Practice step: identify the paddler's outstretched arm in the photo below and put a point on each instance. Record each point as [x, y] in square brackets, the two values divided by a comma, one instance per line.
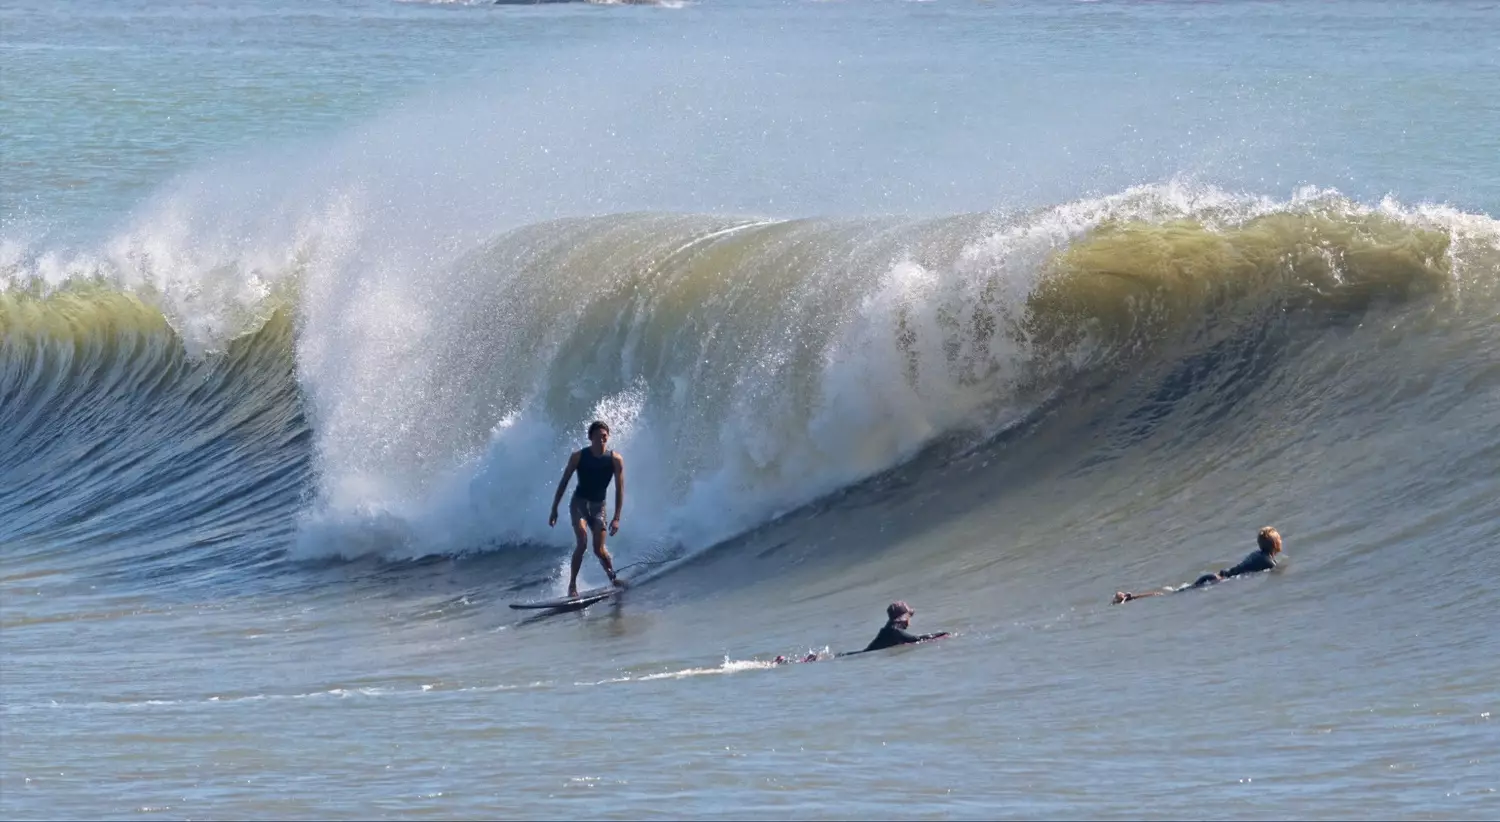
[563, 486]
[614, 524]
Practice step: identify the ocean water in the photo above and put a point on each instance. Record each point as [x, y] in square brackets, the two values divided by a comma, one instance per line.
[996, 308]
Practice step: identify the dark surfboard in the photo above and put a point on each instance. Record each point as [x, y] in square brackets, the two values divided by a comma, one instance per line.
[583, 600]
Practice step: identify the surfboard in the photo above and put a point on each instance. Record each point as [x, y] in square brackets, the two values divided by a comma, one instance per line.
[583, 600]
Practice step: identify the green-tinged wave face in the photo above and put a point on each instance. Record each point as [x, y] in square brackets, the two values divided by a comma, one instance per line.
[77, 314]
[110, 429]
[1133, 283]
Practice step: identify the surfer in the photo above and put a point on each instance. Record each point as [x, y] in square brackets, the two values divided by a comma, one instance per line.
[1265, 557]
[897, 619]
[596, 467]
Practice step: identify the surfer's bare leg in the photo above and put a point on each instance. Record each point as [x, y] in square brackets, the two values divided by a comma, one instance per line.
[604, 558]
[581, 532]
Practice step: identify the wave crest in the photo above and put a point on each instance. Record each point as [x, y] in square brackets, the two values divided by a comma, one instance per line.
[749, 365]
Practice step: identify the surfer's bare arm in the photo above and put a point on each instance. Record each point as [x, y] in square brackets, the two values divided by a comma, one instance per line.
[563, 486]
[614, 524]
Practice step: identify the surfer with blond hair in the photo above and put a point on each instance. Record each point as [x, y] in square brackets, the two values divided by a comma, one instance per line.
[1266, 556]
[595, 467]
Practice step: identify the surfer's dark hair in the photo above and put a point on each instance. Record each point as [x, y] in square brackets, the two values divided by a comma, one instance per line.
[598, 425]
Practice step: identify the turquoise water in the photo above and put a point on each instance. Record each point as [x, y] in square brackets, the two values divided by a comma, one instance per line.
[993, 308]
[883, 106]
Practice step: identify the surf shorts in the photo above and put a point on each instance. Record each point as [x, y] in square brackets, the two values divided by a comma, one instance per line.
[589, 511]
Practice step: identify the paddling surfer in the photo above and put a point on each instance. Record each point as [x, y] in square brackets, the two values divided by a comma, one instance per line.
[1265, 557]
[897, 619]
[596, 467]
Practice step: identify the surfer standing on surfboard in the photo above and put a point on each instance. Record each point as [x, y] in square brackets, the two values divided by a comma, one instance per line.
[595, 467]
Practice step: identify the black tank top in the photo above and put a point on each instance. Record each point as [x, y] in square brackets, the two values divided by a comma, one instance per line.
[594, 474]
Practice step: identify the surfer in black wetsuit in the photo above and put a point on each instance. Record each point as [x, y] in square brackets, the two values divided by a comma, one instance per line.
[595, 467]
[1264, 558]
[898, 619]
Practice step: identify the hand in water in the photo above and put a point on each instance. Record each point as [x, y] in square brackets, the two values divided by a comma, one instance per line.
[614, 526]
